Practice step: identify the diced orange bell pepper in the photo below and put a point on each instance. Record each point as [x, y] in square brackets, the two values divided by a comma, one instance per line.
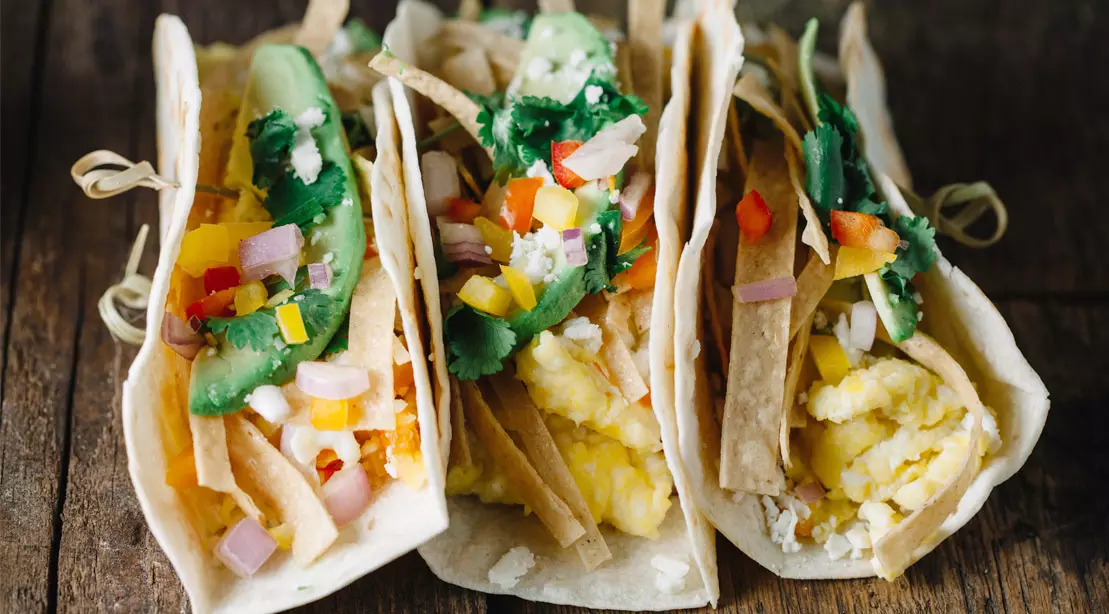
[220, 278]
[181, 472]
[560, 150]
[213, 305]
[329, 415]
[463, 210]
[637, 228]
[519, 202]
[853, 229]
[328, 470]
[753, 216]
[641, 275]
[403, 379]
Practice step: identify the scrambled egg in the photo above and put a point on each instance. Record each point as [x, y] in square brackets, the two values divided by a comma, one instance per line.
[883, 442]
[563, 378]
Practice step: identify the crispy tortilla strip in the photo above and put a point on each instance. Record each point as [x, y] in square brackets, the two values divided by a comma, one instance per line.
[812, 284]
[470, 71]
[751, 91]
[785, 70]
[621, 367]
[617, 315]
[322, 20]
[275, 478]
[894, 550]
[520, 474]
[642, 308]
[460, 443]
[760, 339]
[518, 414]
[213, 465]
[556, 6]
[440, 92]
[624, 66]
[504, 51]
[797, 359]
[645, 39]
[469, 10]
[371, 344]
[735, 137]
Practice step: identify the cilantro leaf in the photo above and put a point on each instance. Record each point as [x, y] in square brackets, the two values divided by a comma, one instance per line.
[825, 181]
[627, 259]
[477, 342]
[358, 134]
[254, 329]
[869, 207]
[596, 267]
[315, 310]
[290, 201]
[917, 252]
[271, 140]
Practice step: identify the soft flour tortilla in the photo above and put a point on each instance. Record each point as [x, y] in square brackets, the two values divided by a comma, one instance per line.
[958, 315]
[479, 534]
[398, 518]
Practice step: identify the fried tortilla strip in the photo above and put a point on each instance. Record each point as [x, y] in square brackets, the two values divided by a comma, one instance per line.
[518, 414]
[460, 443]
[812, 284]
[213, 465]
[469, 71]
[894, 550]
[645, 39]
[760, 339]
[621, 367]
[275, 478]
[518, 471]
[440, 92]
[556, 6]
[642, 307]
[751, 91]
[797, 357]
[735, 137]
[370, 344]
[322, 20]
[504, 51]
[469, 10]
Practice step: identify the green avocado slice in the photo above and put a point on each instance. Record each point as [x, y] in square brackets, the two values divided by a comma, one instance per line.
[898, 315]
[286, 77]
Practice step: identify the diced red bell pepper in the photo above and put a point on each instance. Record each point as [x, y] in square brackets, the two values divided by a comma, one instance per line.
[560, 150]
[753, 216]
[220, 278]
[519, 202]
[370, 251]
[853, 229]
[214, 305]
[329, 470]
[463, 210]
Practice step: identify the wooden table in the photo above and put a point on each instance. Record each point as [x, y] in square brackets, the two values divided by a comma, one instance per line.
[1013, 92]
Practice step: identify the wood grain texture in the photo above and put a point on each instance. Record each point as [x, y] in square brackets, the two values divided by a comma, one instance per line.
[1006, 91]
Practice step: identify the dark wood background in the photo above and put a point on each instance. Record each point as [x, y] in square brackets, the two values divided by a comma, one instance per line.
[1013, 92]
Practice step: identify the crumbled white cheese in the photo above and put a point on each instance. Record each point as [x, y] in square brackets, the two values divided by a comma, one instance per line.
[671, 573]
[305, 157]
[268, 401]
[989, 427]
[593, 93]
[538, 68]
[327, 258]
[782, 525]
[305, 443]
[539, 169]
[514, 565]
[577, 56]
[400, 353]
[859, 538]
[535, 253]
[843, 335]
[347, 202]
[312, 117]
[488, 250]
[583, 333]
[614, 197]
[595, 228]
[837, 546]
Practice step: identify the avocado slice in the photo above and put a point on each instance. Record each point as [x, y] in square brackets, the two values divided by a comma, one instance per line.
[558, 300]
[898, 315]
[562, 51]
[286, 77]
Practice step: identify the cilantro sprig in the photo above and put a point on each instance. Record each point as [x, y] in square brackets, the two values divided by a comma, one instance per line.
[256, 329]
[477, 342]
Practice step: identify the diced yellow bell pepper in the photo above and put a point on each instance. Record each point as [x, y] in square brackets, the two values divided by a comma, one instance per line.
[830, 358]
[229, 511]
[181, 472]
[520, 287]
[498, 238]
[206, 246]
[555, 206]
[291, 324]
[283, 534]
[237, 231]
[481, 293]
[250, 297]
[854, 261]
[328, 415]
[240, 165]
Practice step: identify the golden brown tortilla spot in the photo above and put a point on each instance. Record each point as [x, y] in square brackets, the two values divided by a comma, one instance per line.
[370, 344]
[503, 51]
[213, 465]
[460, 455]
[797, 357]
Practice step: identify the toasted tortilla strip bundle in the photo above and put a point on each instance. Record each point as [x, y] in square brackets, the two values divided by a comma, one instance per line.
[522, 432]
[244, 465]
[846, 406]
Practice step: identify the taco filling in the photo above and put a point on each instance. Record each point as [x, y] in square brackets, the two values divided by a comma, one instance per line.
[295, 386]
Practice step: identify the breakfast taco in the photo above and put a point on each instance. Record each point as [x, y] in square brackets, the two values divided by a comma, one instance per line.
[279, 418]
[846, 398]
[546, 201]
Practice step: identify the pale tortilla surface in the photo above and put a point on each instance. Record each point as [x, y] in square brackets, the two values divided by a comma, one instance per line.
[398, 518]
[957, 314]
[479, 535]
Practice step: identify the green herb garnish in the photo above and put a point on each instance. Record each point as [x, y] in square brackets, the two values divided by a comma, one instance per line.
[477, 342]
[256, 329]
[271, 141]
[290, 201]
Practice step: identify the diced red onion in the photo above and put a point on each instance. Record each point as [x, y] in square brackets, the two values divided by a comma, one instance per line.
[245, 547]
[319, 275]
[180, 337]
[809, 492]
[462, 243]
[573, 246]
[467, 254]
[347, 493]
[328, 380]
[608, 151]
[864, 325]
[270, 403]
[440, 175]
[453, 232]
[632, 196]
[273, 252]
[767, 290]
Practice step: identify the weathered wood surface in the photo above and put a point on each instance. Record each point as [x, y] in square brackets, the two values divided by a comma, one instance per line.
[1006, 91]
